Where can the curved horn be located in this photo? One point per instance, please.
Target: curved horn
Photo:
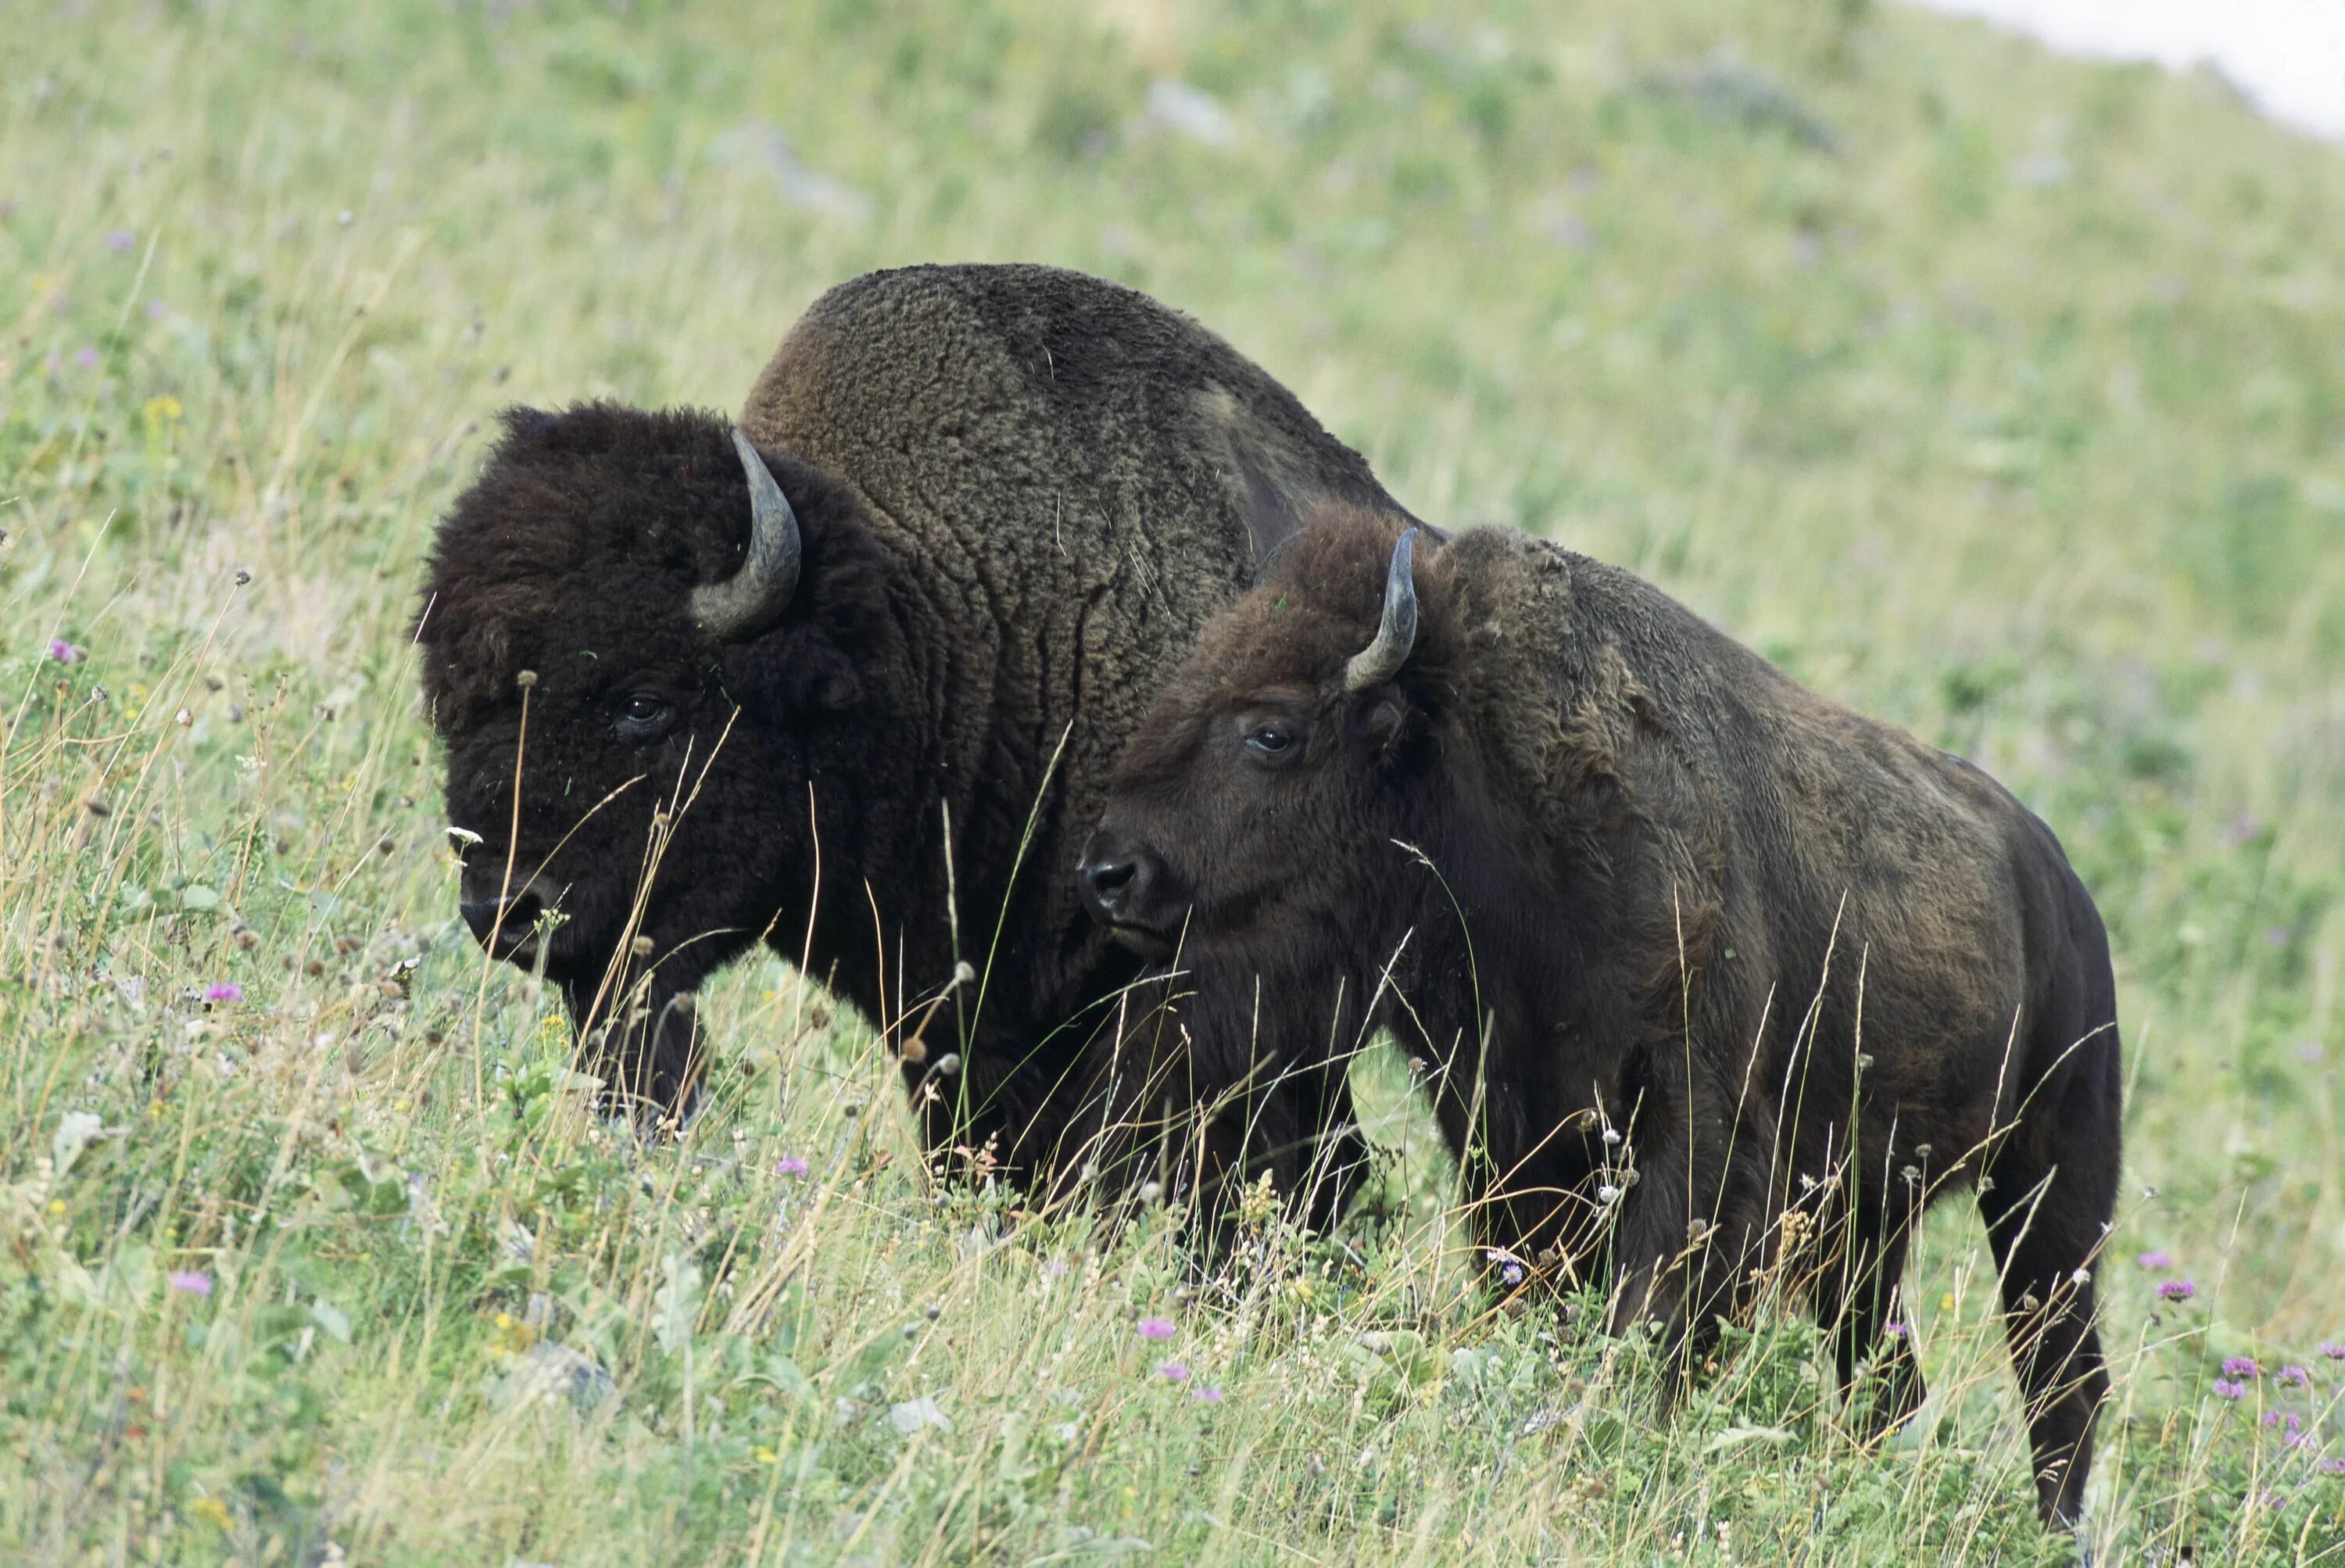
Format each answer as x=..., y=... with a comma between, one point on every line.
x=751, y=599
x=1397, y=633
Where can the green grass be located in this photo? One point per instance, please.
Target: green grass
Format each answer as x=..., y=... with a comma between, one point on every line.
x=1999, y=395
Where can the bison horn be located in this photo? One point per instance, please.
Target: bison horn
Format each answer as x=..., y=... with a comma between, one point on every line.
x=1397, y=633
x=749, y=599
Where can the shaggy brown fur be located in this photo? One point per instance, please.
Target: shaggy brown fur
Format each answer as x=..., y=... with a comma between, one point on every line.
x=1686, y=950
x=1021, y=491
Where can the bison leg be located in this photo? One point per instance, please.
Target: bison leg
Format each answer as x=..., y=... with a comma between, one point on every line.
x=2045, y=1222
x=1651, y=1254
x=648, y=1056
x=1683, y=1254
x=1337, y=1158
x=1854, y=1301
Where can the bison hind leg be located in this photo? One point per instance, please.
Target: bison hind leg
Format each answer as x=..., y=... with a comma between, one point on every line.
x=2048, y=1201
x=2044, y=1250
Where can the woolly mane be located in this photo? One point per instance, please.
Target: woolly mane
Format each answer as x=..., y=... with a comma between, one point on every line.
x=603, y=511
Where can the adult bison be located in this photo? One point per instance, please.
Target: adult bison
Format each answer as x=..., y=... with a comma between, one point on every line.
x=1714, y=982
x=850, y=678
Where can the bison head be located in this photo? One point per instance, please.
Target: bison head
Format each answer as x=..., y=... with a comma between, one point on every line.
x=1282, y=752
x=635, y=641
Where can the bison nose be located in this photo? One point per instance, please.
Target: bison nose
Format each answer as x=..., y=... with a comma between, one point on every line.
x=1117, y=876
x=1106, y=881
x=502, y=924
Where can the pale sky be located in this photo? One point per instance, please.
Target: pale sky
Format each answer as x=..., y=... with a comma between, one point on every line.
x=2288, y=56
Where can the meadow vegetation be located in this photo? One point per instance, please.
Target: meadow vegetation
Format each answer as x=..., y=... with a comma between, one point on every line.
x=1999, y=395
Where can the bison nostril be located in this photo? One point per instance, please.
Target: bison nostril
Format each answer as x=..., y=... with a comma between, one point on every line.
x=502, y=921
x=1107, y=882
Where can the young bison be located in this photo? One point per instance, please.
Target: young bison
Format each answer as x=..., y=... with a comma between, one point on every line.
x=848, y=679
x=1710, y=979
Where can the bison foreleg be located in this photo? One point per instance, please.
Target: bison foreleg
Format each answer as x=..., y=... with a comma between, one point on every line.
x=1856, y=1303
x=1688, y=1245
x=1651, y=1256
x=648, y=1056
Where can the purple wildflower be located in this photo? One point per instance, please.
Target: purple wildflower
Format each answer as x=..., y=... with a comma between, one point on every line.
x=790, y=1166
x=2271, y=1418
x=1896, y=1329
x=1509, y=1266
x=2271, y=1499
x=1205, y=1394
x=2226, y=1389
x=2332, y=1349
x=1056, y=1269
x=2332, y=1466
x=121, y=240
x=2241, y=1367
x=187, y=1282
x=2176, y=1290
x=2156, y=1259
x=64, y=652
x=85, y=357
x=1173, y=1371
x=223, y=991
x=1156, y=1328
x=2293, y=1378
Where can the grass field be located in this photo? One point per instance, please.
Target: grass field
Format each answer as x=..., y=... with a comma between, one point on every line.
x=1998, y=395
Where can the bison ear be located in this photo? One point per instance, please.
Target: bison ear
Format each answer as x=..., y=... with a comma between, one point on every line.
x=1278, y=486
x=1274, y=494
x=1391, y=726
x=788, y=680
x=525, y=425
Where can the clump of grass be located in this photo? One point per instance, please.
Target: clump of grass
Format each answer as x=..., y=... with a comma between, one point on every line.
x=2007, y=410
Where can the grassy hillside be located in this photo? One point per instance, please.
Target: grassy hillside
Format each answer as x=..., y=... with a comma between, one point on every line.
x=2000, y=395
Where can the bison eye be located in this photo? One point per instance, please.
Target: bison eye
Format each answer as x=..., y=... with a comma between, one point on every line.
x=644, y=716
x=1270, y=739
